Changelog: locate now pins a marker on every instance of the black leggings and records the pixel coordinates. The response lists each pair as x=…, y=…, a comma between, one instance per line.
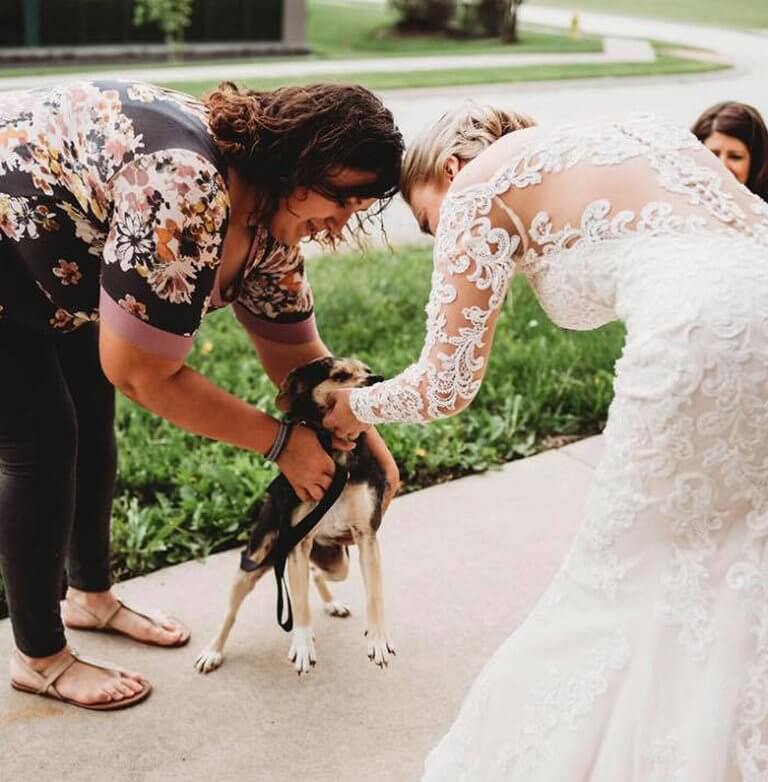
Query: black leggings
x=58, y=459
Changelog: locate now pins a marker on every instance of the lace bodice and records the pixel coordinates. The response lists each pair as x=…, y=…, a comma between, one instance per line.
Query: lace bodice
x=564, y=208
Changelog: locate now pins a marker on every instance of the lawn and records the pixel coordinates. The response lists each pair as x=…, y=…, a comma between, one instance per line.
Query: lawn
x=180, y=497
x=734, y=13
x=663, y=65
x=338, y=30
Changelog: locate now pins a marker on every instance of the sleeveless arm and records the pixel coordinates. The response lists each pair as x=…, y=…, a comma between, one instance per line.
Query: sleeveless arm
x=473, y=263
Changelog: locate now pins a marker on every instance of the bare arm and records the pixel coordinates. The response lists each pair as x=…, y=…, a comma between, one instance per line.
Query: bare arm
x=188, y=399
x=279, y=359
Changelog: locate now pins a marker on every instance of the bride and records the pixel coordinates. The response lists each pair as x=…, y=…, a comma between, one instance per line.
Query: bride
x=646, y=660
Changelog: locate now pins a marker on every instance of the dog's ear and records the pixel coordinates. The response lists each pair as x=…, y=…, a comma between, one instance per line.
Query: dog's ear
x=290, y=388
x=282, y=401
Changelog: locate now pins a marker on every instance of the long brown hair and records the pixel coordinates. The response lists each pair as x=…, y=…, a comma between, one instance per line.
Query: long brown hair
x=300, y=136
x=743, y=122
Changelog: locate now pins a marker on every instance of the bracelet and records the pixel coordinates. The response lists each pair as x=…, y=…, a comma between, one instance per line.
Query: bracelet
x=281, y=439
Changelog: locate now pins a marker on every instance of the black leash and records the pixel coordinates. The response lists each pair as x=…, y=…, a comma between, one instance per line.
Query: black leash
x=289, y=536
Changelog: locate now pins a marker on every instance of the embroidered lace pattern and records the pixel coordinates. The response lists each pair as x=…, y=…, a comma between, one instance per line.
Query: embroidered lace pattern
x=474, y=255
x=674, y=545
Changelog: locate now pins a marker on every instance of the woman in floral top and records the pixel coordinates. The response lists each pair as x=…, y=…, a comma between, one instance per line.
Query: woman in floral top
x=142, y=209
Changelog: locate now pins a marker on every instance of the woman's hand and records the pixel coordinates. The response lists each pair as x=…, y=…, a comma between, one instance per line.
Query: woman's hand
x=383, y=456
x=340, y=419
x=306, y=465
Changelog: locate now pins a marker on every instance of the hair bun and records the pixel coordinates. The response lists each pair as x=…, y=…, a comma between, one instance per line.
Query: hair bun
x=464, y=132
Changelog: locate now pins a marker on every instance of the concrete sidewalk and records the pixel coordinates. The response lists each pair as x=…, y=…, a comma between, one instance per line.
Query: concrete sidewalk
x=614, y=50
x=463, y=564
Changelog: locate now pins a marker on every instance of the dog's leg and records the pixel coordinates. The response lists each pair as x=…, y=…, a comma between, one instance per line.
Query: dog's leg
x=302, y=652
x=338, y=572
x=379, y=646
x=331, y=605
x=212, y=656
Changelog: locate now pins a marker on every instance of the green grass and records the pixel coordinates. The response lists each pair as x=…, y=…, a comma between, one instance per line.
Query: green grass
x=664, y=65
x=339, y=31
x=734, y=13
x=180, y=497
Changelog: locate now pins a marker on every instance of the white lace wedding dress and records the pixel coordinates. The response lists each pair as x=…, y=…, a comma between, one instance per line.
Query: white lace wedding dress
x=646, y=660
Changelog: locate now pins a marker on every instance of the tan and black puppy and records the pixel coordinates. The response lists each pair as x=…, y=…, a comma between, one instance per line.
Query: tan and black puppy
x=354, y=519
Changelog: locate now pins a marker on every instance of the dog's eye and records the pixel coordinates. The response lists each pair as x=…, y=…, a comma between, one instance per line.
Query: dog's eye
x=341, y=376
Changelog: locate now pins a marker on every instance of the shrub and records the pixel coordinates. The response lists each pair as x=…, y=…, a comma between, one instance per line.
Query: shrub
x=424, y=15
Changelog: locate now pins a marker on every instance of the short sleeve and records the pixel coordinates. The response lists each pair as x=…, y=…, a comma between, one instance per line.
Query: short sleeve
x=163, y=248
x=275, y=299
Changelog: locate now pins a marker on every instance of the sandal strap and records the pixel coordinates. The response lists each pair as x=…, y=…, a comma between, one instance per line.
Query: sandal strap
x=106, y=665
x=155, y=616
x=102, y=620
x=44, y=680
x=53, y=674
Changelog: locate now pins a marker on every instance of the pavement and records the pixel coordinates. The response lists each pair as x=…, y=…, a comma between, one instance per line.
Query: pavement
x=463, y=564
x=614, y=50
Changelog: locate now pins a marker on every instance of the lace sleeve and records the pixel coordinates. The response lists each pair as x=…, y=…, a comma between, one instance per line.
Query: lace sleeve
x=474, y=253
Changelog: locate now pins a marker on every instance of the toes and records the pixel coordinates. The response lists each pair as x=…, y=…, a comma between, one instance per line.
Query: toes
x=105, y=696
x=379, y=650
x=133, y=679
x=123, y=690
x=335, y=608
x=168, y=635
x=208, y=661
x=176, y=629
x=132, y=686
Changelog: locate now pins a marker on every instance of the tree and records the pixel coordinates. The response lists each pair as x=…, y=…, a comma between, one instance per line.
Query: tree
x=424, y=15
x=173, y=17
x=488, y=18
x=509, y=25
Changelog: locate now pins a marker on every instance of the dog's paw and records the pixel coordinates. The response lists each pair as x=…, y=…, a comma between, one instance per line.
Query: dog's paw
x=302, y=652
x=380, y=648
x=208, y=660
x=335, y=608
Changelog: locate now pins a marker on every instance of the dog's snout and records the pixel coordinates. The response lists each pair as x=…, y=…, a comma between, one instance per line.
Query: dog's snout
x=372, y=379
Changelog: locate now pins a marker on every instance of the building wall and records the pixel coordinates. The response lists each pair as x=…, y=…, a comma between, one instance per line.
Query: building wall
x=294, y=21
x=95, y=22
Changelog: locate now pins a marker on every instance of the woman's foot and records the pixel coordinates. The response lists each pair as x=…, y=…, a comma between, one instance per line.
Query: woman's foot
x=81, y=683
x=103, y=611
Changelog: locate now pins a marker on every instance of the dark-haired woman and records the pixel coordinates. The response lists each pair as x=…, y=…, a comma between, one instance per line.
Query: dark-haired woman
x=144, y=209
x=736, y=133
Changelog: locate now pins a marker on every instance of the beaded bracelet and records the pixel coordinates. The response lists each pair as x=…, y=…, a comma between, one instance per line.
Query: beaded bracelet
x=281, y=439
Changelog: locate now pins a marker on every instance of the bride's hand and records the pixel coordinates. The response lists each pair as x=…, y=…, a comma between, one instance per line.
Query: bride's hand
x=340, y=419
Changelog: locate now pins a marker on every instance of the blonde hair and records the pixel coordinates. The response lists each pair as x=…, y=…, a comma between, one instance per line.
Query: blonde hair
x=464, y=132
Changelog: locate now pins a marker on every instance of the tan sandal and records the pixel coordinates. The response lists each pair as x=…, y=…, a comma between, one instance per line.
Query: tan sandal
x=45, y=680
x=104, y=622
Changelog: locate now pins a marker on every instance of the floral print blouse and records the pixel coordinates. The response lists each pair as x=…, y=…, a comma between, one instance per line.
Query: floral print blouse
x=114, y=205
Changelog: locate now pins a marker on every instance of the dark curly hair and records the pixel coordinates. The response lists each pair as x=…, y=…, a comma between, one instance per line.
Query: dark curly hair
x=301, y=136
x=743, y=122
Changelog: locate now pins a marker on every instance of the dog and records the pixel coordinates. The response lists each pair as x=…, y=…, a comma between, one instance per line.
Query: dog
x=354, y=519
